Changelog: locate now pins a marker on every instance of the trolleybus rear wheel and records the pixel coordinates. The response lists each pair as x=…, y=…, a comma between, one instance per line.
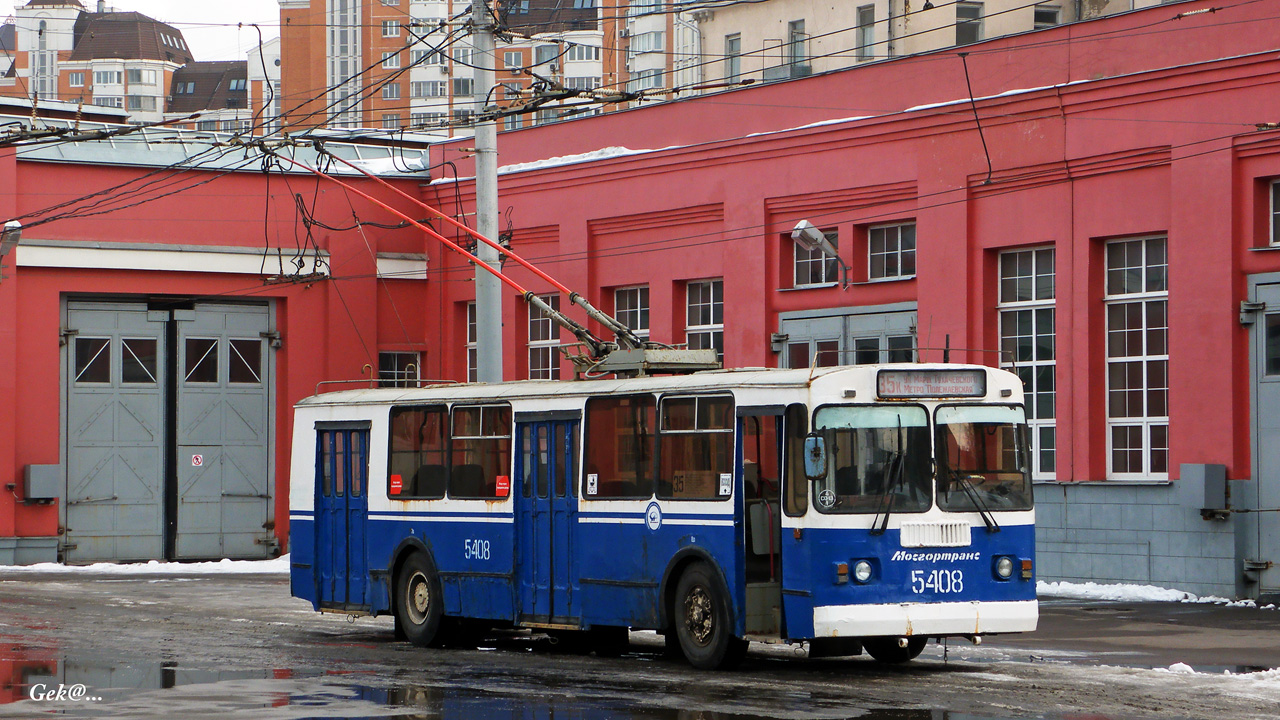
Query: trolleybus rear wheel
x=887, y=649
x=418, y=601
x=703, y=622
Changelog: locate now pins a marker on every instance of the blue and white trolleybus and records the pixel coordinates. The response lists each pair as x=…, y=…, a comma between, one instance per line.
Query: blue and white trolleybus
x=852, y=508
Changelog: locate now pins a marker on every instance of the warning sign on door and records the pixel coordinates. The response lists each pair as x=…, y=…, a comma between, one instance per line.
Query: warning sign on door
x=197, y=460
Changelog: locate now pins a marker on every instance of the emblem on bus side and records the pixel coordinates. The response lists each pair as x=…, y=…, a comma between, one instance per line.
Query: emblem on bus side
x=653, y=516
x=593, y=483
x=827, y=499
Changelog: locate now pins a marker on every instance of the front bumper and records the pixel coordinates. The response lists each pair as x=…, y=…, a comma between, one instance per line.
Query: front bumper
x=955, y=618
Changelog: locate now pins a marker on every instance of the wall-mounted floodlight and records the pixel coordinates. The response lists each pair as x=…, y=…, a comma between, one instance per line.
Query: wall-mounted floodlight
x=812, y=239
x=9, y=238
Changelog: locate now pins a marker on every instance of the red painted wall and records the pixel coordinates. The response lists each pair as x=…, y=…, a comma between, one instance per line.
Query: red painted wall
x=1158, y=137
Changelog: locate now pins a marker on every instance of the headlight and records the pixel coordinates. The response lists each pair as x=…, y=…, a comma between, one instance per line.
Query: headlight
x=862, y=571
x=1004, y=567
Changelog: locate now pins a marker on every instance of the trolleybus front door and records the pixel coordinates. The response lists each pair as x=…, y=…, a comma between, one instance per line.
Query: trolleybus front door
x=342, y=475
x=546, y=461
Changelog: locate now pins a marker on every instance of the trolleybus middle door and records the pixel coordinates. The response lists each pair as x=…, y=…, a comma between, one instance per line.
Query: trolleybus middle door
x=546, y=508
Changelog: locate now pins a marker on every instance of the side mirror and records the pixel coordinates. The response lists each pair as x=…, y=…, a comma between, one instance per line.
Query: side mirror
x=815, y=456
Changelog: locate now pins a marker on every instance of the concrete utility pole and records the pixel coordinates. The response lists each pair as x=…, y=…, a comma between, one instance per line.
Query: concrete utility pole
x=488, y=287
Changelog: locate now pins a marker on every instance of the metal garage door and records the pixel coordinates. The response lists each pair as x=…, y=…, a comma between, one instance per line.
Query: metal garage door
x=168, y=437
x=115, y=432
x=224, y=479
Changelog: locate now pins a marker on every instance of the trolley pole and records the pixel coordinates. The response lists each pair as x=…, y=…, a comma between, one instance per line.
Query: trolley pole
x=488, y=288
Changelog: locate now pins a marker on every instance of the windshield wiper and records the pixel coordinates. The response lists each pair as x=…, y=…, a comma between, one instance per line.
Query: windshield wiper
x=897, y=465
x=971, y=492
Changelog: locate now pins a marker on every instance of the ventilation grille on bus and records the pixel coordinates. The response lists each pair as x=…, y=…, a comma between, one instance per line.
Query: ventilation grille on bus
x=950, y=533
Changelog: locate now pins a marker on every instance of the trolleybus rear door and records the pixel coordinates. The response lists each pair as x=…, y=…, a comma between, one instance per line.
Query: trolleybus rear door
x=546, y=461
x=342, y=475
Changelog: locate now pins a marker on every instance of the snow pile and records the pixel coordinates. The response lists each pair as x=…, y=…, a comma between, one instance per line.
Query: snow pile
x=1268, y=676
x=1134, y=593
x=278, y=566
x=1121, y=592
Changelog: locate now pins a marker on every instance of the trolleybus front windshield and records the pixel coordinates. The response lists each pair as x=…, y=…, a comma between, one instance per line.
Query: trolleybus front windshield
x=879, y=459
x=982, y=458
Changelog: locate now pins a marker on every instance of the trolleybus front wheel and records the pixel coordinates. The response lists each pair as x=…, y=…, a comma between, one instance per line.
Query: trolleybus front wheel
x=418, y=601
x=890, y=650
x=703, y=622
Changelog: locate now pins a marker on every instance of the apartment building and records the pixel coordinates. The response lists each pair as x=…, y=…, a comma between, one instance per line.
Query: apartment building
x=784, y=39
x=62, y=51
x=408, y=64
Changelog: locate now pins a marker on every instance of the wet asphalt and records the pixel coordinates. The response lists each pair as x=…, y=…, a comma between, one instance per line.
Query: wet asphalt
x=230, y=647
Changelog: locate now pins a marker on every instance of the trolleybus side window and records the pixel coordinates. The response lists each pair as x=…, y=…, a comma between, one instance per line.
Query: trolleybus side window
x=878, y=459
x=419, y=467
x=480, y=451
x=620, y=447
x=696, y=448
x=982, y=458
x=795, y=424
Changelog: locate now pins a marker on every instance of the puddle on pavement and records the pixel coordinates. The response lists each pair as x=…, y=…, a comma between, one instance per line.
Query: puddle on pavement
x=421, y=703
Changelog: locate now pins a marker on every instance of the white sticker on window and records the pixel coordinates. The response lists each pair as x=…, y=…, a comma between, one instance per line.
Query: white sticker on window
x=726, y=483
x=592, y=483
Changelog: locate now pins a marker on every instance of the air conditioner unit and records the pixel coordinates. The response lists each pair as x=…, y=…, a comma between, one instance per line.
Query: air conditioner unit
x=624, y=32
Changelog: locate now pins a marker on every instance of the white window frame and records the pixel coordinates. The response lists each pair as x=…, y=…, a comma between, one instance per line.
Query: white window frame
x=898, y=254
x=75, y=79
x=390, y=28
x=1040, y=24
x=975, y=21
x=732, y=57
x=708, y=326
x=391, y=91
x=473, y=360
x=1275, y=213
x=546, y=347
x=402, y=375
x=1036, y=312
x=814, y=268
x=512, y=59
x=631, y=308
x=391, y=60
x=391, y=121
x=865, y=32
x=1150, y=426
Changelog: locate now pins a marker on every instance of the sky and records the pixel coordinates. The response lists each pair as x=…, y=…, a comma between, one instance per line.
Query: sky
x=209, y=26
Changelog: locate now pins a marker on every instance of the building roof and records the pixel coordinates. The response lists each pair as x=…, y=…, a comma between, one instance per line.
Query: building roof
x=207, y=86
x=128, y=36
x=55, y=3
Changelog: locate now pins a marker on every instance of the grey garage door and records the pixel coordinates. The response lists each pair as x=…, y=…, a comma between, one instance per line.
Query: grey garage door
x=224, y=483
x=168, y=437
x=115, y=433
